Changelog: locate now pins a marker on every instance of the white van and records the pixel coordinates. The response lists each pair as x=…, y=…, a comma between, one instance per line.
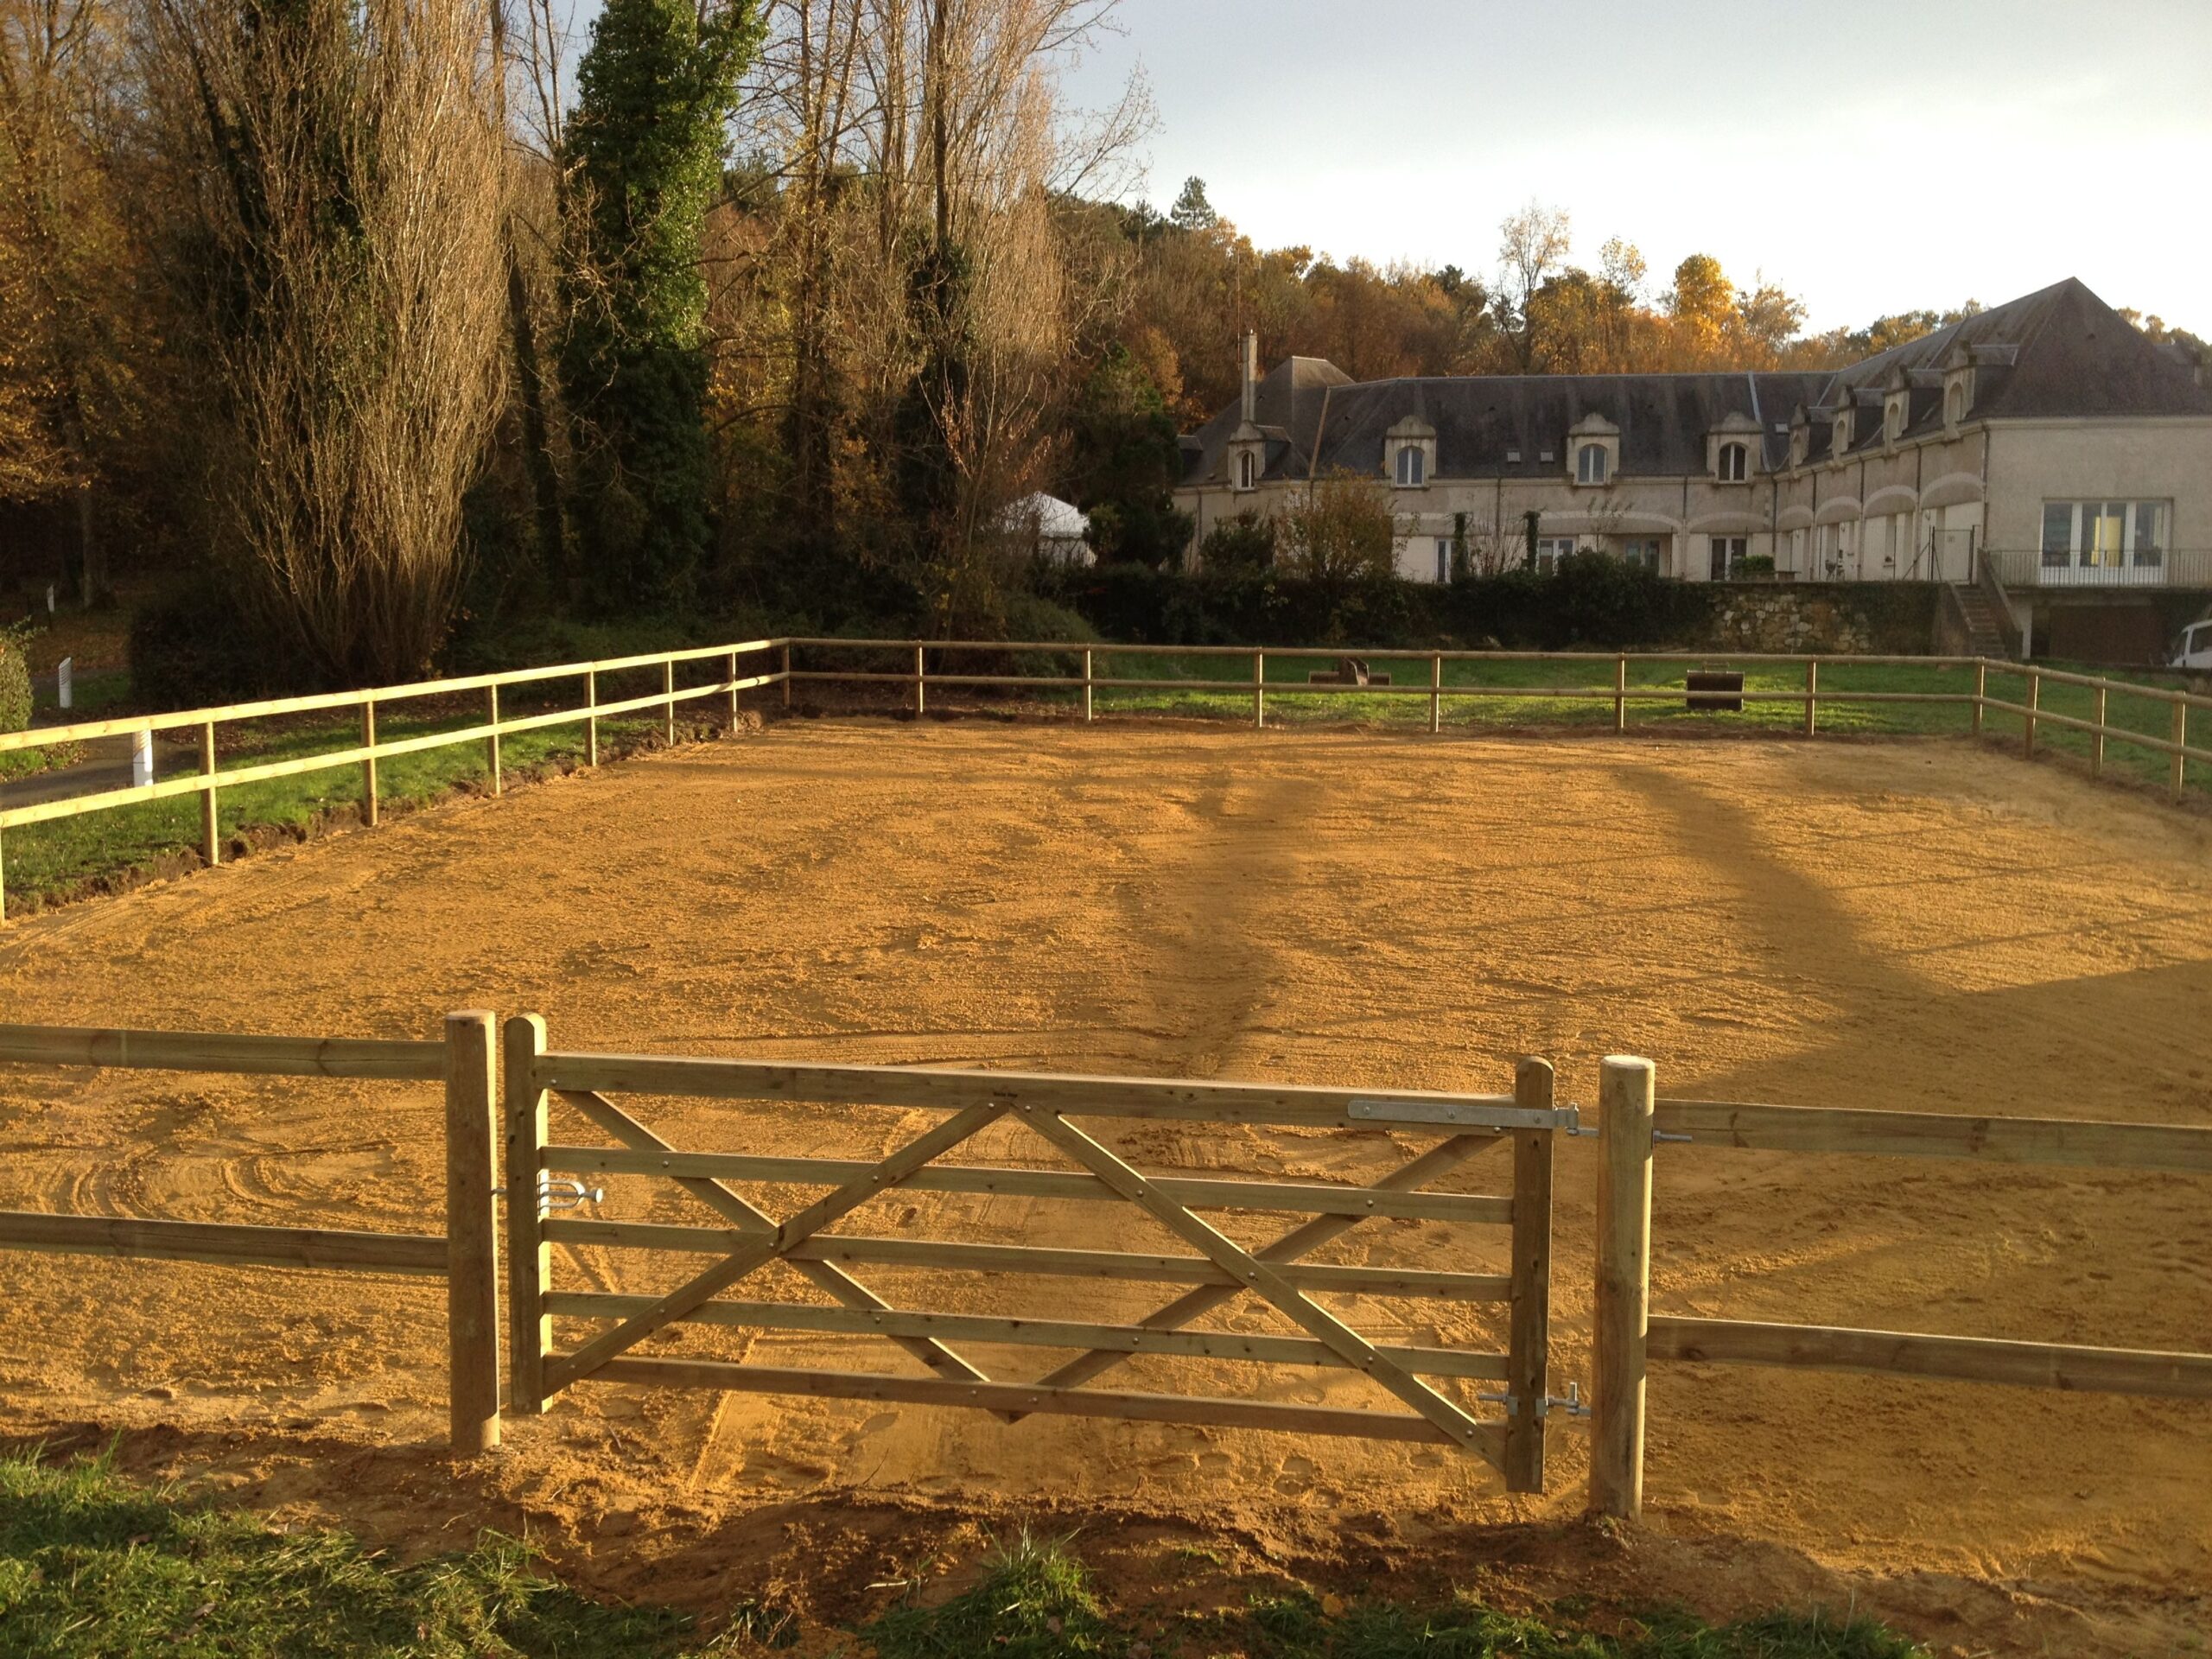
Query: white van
x=2194, y=650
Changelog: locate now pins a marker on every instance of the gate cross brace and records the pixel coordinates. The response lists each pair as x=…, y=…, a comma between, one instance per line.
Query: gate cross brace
x=696, y=1292
x=1300, y=1240
x=1257, y=1276
x=732, y=1206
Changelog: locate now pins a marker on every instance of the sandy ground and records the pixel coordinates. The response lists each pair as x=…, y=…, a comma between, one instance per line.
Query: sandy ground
x=1909, y=924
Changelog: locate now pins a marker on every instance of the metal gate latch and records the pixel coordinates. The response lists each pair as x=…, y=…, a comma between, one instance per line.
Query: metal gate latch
x=566, y=1194
x=1546, y=1404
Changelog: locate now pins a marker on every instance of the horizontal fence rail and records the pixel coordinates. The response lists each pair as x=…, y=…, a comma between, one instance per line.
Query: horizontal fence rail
x=1081, y=682
x=1628, y=1336
x=465, y=1255
x=1216, y=1272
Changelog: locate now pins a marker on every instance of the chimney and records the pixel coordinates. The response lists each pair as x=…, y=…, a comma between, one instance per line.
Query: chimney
x=1251, y=371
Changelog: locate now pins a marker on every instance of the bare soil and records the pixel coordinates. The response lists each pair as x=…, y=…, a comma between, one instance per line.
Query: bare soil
x=1912, y=925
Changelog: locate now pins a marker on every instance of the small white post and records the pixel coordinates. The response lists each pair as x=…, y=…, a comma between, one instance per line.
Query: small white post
x=65, y=681
x=141, y=760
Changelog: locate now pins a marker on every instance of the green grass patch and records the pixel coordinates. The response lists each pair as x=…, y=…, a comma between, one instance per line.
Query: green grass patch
x=92, y=1565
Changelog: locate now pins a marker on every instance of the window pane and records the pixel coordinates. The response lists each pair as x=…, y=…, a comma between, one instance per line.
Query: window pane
x=2150, y=533
x=2058, y=533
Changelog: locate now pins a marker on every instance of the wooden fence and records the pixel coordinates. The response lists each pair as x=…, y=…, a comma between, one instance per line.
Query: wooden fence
x=1276, y=1275
x=1082, y=685
x=1628, y=1336
x=212, y=780
x=465, y=1255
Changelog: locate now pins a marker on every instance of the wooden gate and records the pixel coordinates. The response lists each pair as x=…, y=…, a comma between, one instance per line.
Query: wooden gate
x=1440, y=1391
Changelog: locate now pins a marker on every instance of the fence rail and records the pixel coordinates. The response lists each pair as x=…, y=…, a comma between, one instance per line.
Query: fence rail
x=1082, y=683
x=2183, y=568
x=1628, y=1336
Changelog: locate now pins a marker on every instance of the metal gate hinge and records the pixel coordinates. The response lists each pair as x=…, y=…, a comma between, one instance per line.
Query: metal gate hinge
x=553, y=1194
x=1660, y=1135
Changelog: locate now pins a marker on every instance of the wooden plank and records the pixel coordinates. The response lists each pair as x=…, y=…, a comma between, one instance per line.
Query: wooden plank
x=242, y=1054
x=949, y=1088
x=1939, y=1135
x=1530, y=1327
x=1125, y=1341
x=472, y=1233
x=1035, y=1258
x=491, y=743
x=331, y=1249
x=1966, y=1359
x=1623, y=1291
x=371, y=808
x=1303, y=1198
x=731, y=1206
x=530, y=1257
x=1299, y=1241
x=755, y=1250
x=1031, y=1397
x=1260, y=1277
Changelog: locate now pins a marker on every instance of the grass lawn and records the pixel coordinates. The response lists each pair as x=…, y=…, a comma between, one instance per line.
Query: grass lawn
x=93, y=1565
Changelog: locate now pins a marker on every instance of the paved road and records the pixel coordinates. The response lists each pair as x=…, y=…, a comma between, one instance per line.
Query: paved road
x=106, y=765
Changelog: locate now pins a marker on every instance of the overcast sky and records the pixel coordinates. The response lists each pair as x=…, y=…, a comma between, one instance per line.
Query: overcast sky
x=1872, y=155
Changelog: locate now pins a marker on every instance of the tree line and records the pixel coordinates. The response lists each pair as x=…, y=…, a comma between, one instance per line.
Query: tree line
x=364, y=321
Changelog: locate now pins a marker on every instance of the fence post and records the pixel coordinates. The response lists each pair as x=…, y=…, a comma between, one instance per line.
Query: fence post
x=1086, y=684
x=1620, y=693
x=787, y=677
x=1981, y=691
x=1812, y=696
x=471, y=1234
x=1259, y=696
x=1531, y=1382
x=732, y=691
x=921, y=674
x=1436, y=694
x=2180, y=761
x=1622, y=1321
x=668, y=701
x=591, y=721
x=2097, y=738
x=530, y=1258
x=2035, y=701
x=3, y=885
x=370, y=810
x=211, y=846
x=491, y=743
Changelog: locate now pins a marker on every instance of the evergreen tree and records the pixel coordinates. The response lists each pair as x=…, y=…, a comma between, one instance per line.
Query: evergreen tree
x=644, y=153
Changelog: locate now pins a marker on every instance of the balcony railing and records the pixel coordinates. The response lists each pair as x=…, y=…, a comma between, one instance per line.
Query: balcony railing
x=2169, y=567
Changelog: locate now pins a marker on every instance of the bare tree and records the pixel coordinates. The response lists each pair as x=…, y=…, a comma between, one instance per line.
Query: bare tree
x=329, y=209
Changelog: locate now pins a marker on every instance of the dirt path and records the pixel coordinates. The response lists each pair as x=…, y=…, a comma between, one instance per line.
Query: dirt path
x=1909, y=924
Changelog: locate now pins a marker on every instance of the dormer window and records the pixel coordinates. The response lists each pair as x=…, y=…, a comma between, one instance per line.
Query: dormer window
x=1413, y=471
x=1840, y=435
x=1954, y=402
x=1247, y=471
x=1409, y=452
x=1590, y=464
x=1733, y=464
x=1899, y=412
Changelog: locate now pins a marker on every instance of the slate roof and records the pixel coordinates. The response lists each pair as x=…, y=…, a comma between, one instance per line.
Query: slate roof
x=2058, y=351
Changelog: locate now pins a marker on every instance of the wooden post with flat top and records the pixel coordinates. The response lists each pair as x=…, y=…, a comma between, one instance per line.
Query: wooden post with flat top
x=2097, y=737
x=491, y=743
x=471, y=1234
x=591, y=721
x=2035, y=701
x=1980, y=692
x=668, y=702
x=920, y=676
x=1620, y=693
x=787, y=677
x=733, y=708
x=1259, y=695
x=530, y=1258
x=1436, y=694
x=370, y=812
x=1086, y=684
x=1812, y=696
x=2179, y=761
x=210, y=844
x=1622, y=1322
x=1528, y=1383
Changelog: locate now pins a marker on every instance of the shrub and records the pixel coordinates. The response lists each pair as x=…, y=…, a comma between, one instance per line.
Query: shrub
x=1244, y=543
x=195, y=647
x=14, y=685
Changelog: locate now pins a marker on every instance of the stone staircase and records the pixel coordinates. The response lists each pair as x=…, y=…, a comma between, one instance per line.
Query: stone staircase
x=1985, y=636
